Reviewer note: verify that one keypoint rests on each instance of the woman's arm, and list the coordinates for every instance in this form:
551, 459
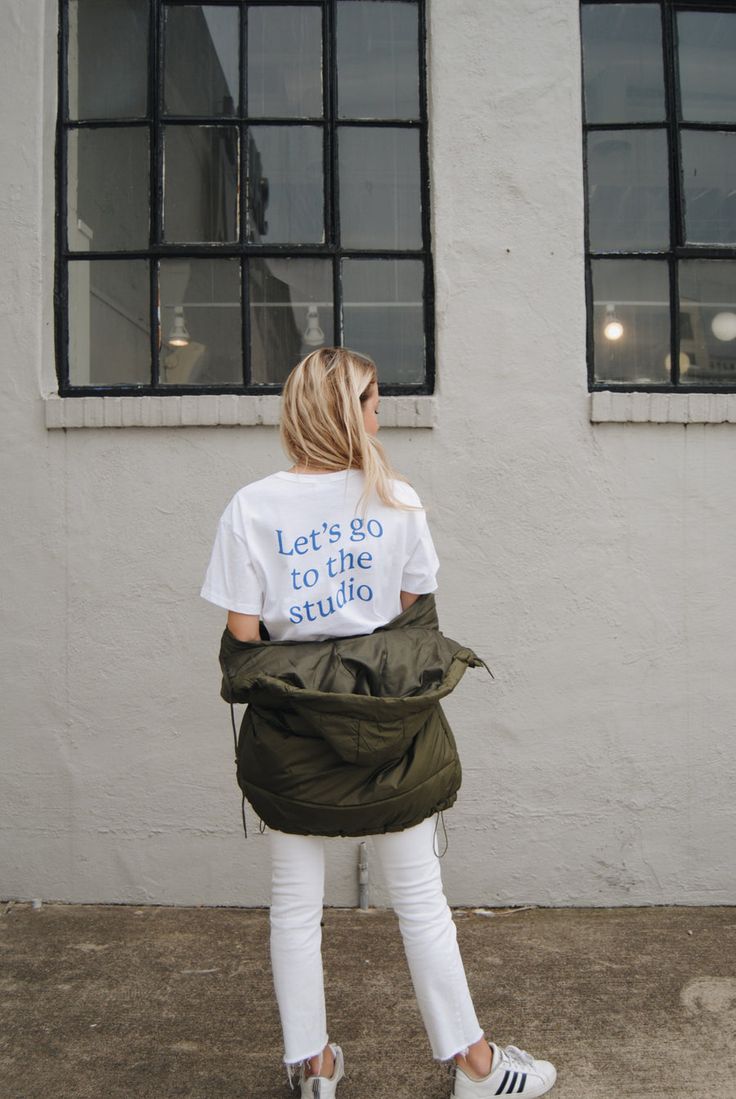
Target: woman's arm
244, 626
407, 598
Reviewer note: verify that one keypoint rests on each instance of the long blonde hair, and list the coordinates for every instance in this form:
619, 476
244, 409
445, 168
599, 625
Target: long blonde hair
322, 424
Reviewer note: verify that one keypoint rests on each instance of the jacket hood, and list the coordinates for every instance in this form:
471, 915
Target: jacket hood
405, 661
367, 696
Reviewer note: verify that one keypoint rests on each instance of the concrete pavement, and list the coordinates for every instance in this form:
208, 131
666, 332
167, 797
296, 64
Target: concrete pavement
121, 1001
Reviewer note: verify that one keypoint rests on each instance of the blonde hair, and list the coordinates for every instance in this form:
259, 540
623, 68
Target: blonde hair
322, 424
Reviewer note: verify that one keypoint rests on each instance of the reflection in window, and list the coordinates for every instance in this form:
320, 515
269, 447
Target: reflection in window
623, 75
107, 58
709, 178
380, 198
284, 62
288, 184
628, 191
383, 315
291, 313
708, 321
377, 70
631, 321
203, 40
660, 183
231, 181
707, 47
109, 329
107, 183
200, 183
201, 322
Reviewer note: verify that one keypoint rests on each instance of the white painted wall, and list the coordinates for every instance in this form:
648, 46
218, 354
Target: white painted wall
589, 564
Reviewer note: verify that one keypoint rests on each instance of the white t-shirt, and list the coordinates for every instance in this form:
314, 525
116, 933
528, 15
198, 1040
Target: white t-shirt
293, 549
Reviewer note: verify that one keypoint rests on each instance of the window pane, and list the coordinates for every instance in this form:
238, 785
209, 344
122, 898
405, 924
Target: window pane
200, 183
291, 314
109, 322
108, 58
107, 179
708, 322
709, 174
383, 315
201, 325
631, 321
707, 46
377, 60
380, 200
285, 185
201, 74
628, 196
622, 63
285, 62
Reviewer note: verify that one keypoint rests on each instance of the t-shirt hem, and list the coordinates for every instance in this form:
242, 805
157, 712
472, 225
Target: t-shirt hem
229, 604
413, 588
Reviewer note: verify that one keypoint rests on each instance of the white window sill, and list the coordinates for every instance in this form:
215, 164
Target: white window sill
607, 406
209, 410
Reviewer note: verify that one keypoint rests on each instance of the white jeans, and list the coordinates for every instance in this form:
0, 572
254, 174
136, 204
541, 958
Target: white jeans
411, 871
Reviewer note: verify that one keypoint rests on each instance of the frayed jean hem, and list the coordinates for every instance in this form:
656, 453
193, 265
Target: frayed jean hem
295, 1066
462, 1051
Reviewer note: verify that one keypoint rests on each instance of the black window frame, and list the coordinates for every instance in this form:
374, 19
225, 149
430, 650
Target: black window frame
677, 250
158, 249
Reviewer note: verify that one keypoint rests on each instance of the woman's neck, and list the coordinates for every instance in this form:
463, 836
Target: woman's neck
312, 469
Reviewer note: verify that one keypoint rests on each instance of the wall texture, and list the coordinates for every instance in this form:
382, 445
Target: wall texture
589, 564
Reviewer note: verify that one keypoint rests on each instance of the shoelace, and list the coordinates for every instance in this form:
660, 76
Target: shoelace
517, 1058
510, 1056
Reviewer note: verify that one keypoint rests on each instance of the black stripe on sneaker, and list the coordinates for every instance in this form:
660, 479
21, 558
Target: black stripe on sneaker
522, 1081
502, 1085
512, 1082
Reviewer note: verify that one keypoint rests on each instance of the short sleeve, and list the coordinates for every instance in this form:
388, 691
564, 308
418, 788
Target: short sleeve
419, 575
231, 580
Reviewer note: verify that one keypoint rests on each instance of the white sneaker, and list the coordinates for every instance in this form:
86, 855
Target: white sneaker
323, 1087
513, 1072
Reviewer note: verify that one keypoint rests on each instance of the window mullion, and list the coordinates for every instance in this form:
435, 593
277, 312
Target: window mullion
424, 173
332, 179
677, 233
155, 74
62, 263
244, 196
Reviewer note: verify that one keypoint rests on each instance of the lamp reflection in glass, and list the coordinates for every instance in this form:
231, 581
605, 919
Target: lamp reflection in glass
723, 326
313, 335
684, 361
612, 329
179, 335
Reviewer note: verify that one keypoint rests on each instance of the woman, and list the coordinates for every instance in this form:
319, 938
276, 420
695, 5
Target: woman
327, 572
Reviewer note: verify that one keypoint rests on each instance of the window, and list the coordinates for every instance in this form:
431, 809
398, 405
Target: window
660, 164
239, 183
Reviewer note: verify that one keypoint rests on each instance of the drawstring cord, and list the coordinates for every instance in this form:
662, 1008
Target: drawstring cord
440, 818
261, 823
235, 739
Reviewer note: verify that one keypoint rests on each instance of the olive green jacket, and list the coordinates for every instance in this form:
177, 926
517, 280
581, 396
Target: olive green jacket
346, 737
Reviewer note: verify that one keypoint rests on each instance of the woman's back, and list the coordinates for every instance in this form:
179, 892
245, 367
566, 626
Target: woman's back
294, 549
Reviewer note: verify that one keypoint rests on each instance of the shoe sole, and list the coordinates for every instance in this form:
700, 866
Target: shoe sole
514, 1090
